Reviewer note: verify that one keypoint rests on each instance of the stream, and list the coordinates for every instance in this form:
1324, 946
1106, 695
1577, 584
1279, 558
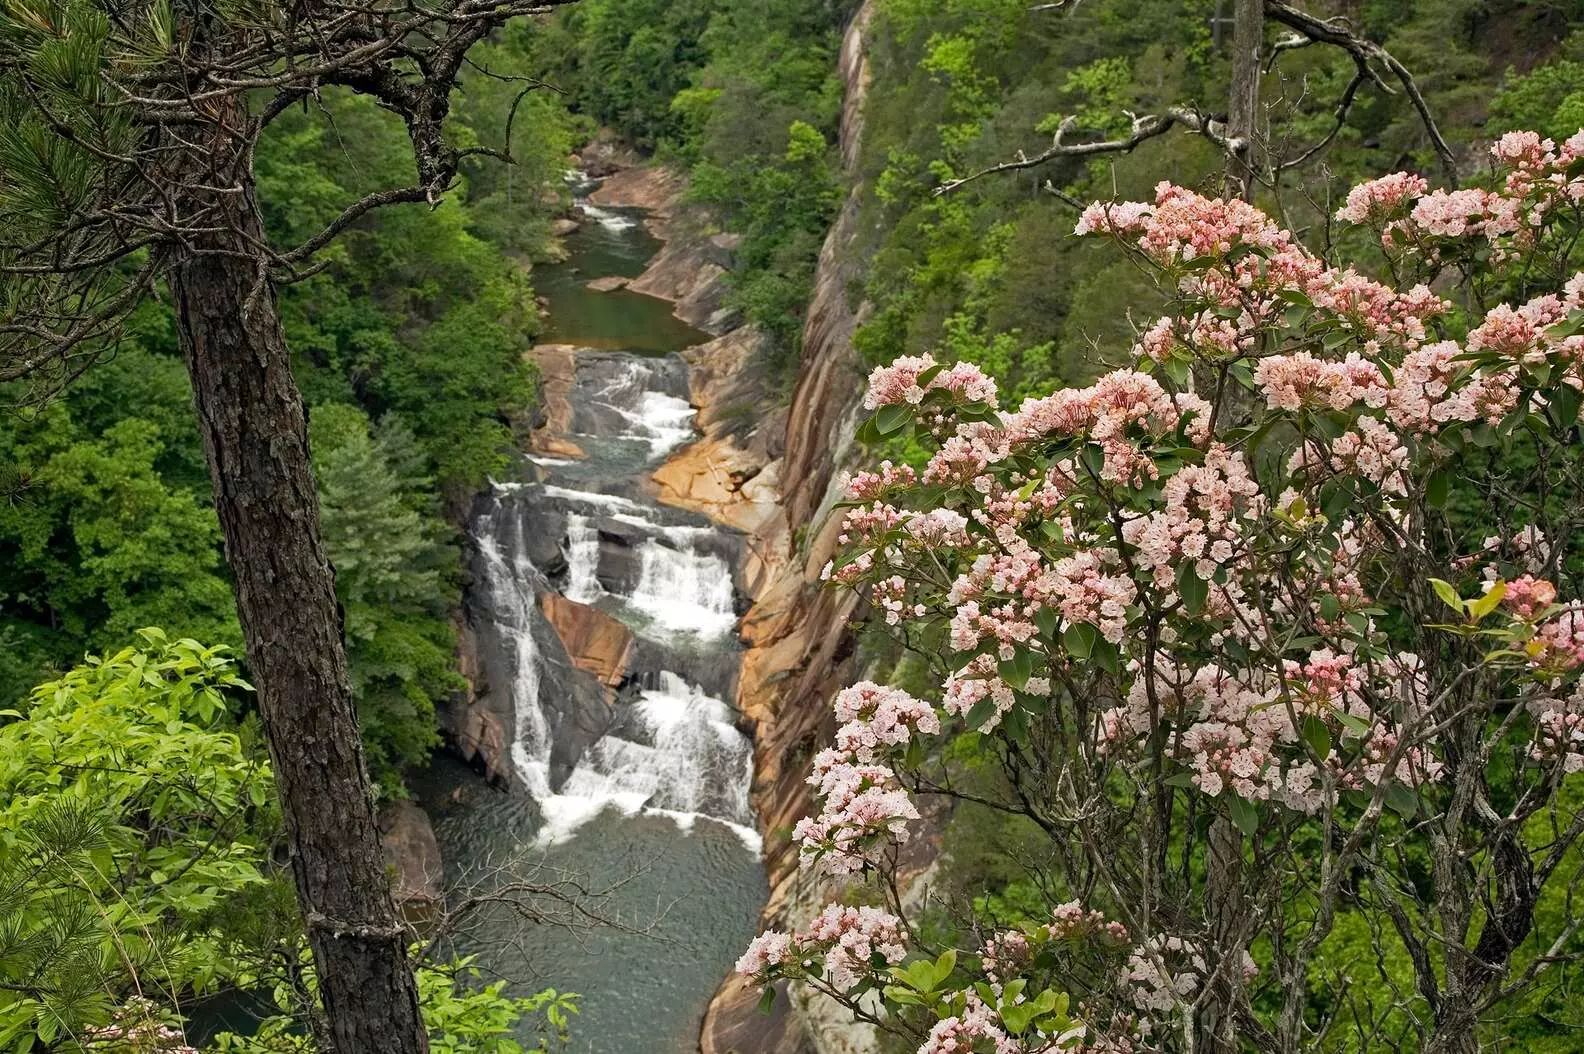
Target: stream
639, 789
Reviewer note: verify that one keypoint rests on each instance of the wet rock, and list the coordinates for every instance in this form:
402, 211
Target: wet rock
473, 729
564, 226
609, 284
655, 188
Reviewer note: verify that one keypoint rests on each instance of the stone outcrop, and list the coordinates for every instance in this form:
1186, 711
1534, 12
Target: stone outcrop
606, 154
557, 374
594, 641
732, 474
609, 284
413, 855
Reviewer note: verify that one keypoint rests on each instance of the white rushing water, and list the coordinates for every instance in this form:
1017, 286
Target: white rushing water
582, 554
512, 596
684, 591
611, 221
682, 758
659, 420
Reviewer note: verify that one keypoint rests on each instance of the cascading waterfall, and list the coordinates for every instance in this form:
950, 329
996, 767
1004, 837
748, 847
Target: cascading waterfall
511, 584
611, 221
659, 419
582, 555
684, 591
670, 749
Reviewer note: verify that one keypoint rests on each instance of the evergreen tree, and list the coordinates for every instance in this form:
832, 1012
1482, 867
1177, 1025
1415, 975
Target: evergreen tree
127, 136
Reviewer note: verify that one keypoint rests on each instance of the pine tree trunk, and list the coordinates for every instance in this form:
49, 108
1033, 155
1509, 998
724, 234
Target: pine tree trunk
1248, 40
256, 441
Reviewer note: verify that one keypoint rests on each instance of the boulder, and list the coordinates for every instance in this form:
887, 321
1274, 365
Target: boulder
606, 155
594, 641
564, 226
413, 854
557, 377
609, 284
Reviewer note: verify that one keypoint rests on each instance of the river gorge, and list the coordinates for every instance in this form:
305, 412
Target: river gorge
649, 651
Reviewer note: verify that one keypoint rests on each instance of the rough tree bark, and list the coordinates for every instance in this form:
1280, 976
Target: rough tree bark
256, 441
1248, 39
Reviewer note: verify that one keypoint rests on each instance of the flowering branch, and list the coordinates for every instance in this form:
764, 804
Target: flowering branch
1243, 655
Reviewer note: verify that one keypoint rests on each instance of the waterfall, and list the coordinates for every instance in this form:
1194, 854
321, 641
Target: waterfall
679, 756
670, 749
656, 418
684, 590
510, 583
582, 555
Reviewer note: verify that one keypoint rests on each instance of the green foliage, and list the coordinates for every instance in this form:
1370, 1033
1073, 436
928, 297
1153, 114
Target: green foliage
394, 578
464, 1016
624, 61
1548, 99
112, 529
132, 815
417, 315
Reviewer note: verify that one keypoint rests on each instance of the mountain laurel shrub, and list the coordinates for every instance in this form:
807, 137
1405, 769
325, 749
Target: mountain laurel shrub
1274, 633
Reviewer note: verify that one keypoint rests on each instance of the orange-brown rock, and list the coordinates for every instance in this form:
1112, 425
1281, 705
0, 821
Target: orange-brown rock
476, 732
594, 641
557, 376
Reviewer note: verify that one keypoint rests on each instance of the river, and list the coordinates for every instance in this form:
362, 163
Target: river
637, 791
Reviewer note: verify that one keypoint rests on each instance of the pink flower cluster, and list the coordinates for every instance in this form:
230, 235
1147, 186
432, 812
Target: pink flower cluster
1161, 972
976, 682
964, 1033
846, 938
1527, 597
899, 383
877, 719
869, 486
1291, 382
1204, 509
863, 811
1558, 736
1383, 199
1072, 920
1560, 643
852, 937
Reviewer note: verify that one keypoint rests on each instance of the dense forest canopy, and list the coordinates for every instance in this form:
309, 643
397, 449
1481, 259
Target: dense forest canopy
408, 347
